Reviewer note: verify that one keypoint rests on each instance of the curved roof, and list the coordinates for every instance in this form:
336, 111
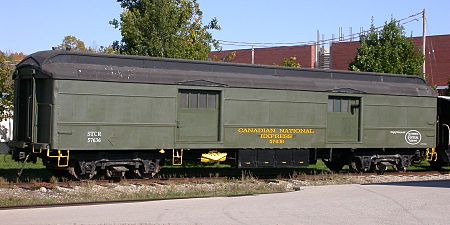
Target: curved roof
139, 69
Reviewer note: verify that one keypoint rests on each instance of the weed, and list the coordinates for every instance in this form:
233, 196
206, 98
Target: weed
3, 181
53, 180
247, 175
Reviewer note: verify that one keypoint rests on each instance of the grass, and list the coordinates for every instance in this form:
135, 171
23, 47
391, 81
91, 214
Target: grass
6, 162
31, 171
113, 192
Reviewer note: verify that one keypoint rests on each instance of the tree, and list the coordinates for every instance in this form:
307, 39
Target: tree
72, 43
290, 62
107, 50
164, 28
388, 51
6, 87
230, 57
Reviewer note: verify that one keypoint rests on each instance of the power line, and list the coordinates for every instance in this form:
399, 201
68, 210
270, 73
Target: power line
349, 37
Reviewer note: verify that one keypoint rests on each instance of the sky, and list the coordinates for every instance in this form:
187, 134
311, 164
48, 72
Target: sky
28, 25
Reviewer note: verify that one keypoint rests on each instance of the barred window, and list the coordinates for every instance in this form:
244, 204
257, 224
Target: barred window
341, 104
198, 99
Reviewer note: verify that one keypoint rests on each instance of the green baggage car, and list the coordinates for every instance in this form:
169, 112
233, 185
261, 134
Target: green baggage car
86, 113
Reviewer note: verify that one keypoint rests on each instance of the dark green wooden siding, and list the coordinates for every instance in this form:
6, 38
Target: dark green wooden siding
144, 116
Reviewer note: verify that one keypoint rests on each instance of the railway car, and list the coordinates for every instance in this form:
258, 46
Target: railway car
440, 156
89, 113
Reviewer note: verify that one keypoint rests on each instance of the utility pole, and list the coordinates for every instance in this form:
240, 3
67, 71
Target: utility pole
253, 55
351, 34
317, 50
424, 27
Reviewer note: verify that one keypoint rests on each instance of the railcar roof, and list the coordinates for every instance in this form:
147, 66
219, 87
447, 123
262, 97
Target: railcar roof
139, 69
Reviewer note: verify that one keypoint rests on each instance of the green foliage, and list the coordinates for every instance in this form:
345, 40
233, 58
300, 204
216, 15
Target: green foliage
230, 57
72, 43
290, 62
107, 50
6, 87
388, 51
164, 28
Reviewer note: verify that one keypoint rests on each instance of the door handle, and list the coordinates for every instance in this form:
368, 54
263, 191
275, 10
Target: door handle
178, 124
353, 107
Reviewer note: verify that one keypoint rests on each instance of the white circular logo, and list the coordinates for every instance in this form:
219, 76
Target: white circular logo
413, 137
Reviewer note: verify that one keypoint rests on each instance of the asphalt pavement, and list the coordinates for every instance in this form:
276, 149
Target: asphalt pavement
394, 203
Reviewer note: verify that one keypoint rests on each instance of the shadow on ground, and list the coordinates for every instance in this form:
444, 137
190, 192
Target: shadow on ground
263, 173
30, 175
42, 174
430, 183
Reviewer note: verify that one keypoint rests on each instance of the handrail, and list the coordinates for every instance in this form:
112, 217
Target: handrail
448, 129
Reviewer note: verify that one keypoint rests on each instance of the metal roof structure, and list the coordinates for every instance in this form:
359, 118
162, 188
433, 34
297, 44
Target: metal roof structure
140, 69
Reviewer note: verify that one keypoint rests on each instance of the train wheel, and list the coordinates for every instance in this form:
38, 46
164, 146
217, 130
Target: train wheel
152, 169
82, 170
133, 174
399, 168
356, 166
380, 168
147, 175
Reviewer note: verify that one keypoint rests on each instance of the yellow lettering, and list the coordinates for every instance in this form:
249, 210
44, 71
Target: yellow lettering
276, 141
257, 130
273, 135
295, 131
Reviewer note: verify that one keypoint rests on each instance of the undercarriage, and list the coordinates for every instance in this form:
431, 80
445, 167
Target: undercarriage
372, 160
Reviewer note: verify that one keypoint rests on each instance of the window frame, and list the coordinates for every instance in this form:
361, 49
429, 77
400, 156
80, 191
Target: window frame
340, 104
210, 101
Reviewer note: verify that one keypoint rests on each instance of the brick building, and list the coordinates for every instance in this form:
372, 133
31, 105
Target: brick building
437, 63
342, 54
305, 55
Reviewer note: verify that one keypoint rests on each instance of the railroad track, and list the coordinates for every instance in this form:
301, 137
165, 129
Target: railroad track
167, 181
371, 175
101, 182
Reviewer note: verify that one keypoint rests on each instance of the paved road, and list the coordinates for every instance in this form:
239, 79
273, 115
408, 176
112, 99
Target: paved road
397, 203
